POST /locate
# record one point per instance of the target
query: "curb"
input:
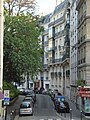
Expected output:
(13, 101)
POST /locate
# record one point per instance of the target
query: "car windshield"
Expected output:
(25, 105)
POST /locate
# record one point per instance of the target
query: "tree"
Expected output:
(17, 7)
(81, 83)
(22, 51)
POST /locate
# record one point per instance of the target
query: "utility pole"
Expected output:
(1, 54)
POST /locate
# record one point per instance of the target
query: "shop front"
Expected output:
(84, 94)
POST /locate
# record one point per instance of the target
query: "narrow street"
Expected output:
(44, 110)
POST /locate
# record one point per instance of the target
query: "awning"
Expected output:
(1, 95)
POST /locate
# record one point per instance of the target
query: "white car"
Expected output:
(26, 108)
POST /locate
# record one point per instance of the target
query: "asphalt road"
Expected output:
(43, 109)
(44, 106)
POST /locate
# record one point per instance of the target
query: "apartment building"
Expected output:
(83, 8)
(84, 40)
(45, 81)
(73, 50)
(56, 46)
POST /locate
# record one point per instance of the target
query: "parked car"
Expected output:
(26, 108)
(45, 92)
(32, 95)
(41, 90)
(50, 92)
(62, 107)
(29, 99)
(36, 91)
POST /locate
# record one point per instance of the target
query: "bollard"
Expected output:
(61, 112)
(65, 113)
(81, 115)
(11, 116)
(6, 113)
(70, 114)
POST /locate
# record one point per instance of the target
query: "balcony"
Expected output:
(45, 31)
(59, 74)
(59, 20)
(45, 66)
(82, 39)
(56, 74)
(61, 33)
(82, 61)
(65, 56)
(67, 43)
(58, 60)
(78, 62)
(63, 74)
(53, 60)
(52, 48)
(52, 74)
(67, 73)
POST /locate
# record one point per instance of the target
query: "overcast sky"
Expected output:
(46, 6)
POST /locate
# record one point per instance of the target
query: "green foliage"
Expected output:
(22, 51)
(81, 83)
(9, 86)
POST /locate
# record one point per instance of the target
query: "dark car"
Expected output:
(41, 90)
(32, 95)
(62, 107)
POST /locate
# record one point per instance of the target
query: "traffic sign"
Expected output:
(6, 99)
(6, 102)
(6, 93)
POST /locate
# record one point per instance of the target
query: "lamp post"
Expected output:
(1, 53)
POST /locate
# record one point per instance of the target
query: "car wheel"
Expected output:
(32, 114)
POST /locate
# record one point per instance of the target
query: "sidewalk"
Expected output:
(76, 114)
(1, 118)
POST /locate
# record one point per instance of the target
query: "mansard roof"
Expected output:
(60, 7)
(47, 18)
